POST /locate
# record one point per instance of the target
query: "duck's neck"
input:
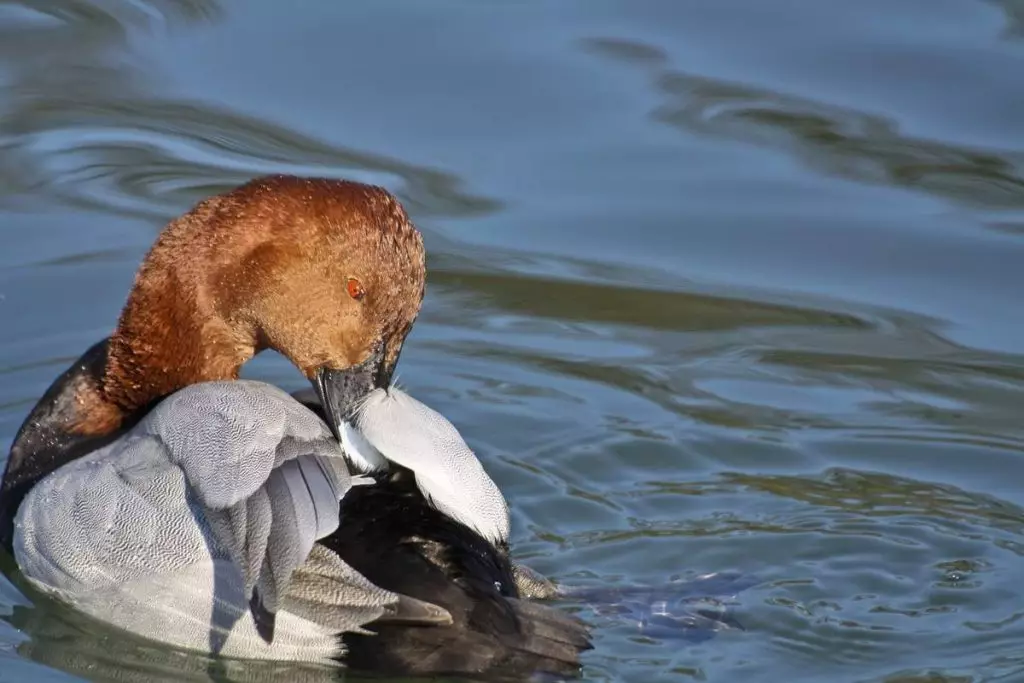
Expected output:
(163, 346)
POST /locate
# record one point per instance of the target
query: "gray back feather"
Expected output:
(234, 475)
(267, 471)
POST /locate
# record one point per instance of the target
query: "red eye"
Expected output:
(355, 289)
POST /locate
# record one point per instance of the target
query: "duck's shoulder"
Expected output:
(229, 436)
(242, 411)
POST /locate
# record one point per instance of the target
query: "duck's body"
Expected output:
(219, 492)
(224, 516)
(390, 583)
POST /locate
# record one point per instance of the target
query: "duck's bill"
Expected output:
(342, 391)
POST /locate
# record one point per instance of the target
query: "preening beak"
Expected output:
(340, 391)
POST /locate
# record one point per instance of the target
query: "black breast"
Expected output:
(393, 537)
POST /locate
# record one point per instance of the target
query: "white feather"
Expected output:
(411, 434)
(360, 454)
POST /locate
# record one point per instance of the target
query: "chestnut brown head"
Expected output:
(329, 273)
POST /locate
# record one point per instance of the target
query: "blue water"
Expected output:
(721, 286)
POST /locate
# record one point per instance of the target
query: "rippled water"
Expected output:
(714, 286)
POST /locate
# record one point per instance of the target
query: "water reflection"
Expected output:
(842, 142)
(83, 125)
(625, 304)
(1014, 10)
(838, 502)
(862, 568)
(69, 642)
(711, 358)
(870, 494)
(116, 16)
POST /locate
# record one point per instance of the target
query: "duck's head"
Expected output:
(328, 273)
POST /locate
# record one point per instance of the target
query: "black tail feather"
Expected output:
(392, 536)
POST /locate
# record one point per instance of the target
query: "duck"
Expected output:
(348, 523)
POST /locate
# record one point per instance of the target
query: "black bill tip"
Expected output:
(341, 391)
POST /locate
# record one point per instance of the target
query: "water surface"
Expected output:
(713, 286)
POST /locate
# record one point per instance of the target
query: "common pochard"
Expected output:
(152, 489)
